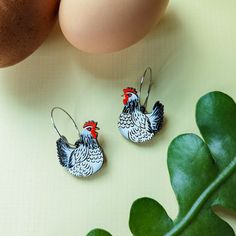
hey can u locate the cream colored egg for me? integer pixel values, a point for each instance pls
(108, 25)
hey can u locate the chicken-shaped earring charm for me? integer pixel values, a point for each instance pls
(85, 157)
(135, 123)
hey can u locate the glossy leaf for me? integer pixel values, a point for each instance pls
(148, 217)
(216, 119)
(202, 175)
(98, 232)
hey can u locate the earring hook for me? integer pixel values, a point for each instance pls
(54, 123)
(148, 69)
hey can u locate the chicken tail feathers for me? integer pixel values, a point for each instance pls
(64, 153)
(157, 116)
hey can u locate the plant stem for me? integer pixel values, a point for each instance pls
(196, 207)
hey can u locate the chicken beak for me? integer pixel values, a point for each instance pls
(97, 128)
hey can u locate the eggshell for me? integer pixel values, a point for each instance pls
(108, 25)
(24, 24)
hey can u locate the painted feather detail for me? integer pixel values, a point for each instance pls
(135, 124)
(64, 152)
(156, 117)
(86, 157)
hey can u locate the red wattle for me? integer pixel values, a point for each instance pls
(94, 134)
(125, 100)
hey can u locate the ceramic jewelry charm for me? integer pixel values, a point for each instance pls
(135, 124)
(85, 157)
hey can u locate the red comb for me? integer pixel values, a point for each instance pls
(130, 90)
(90, 123)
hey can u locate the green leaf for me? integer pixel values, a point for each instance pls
(196, 179)
(98, 232)
(148, 217)
(216, 119)
(202, 175)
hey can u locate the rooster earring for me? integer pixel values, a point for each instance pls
(85, 157)
(135, 124)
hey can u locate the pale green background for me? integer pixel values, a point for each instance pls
(195, 45)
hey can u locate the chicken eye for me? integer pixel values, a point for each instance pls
(89, 129)
(129, 95)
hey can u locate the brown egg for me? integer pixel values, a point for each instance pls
(100, 26)
(24, 25)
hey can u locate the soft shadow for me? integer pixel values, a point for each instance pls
(42, 75)
(155, 50)
(45, 75)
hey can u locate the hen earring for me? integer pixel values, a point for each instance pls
(85, 157)
(135, 124)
